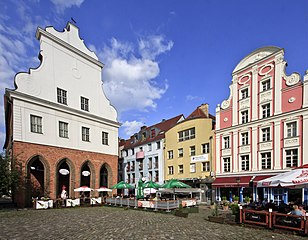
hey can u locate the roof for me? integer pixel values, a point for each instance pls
(162, 127)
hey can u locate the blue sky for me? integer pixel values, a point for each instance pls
(162, 58)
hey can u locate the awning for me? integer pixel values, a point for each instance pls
(232, 181)
(259, 178)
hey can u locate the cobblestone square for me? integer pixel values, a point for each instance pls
(118, 223)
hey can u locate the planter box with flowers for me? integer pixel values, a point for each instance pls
(43, 203)
(72, 202)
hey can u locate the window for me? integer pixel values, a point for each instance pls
(266, 160)
(266, 110)
(62, 96)
(245, 138)
(150, 163)
(226, 142)
(291, 129)
(85, 134)
(170, 154)
(227, 164)
(266, 85)
(104, 138)
(152, 133)
(206, 166)
(157, 145)
(205, 148)
(170, 170)
(186, 134)
(266, 134)
(156, 162)
(84, 103)
(244, 93)
(36, 124)
(181, 169)
(63, 129)
(192, 167)
(291, 157)
(133, 151)
(149, 147)
(192, 150)
(144, 135)
(181, 152)
(245, 162)
(245, 116)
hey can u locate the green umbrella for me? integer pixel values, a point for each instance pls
(174, 183)
(122, 185)
(151, 184)
(139, 190)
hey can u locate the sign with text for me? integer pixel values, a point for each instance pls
(199, 158)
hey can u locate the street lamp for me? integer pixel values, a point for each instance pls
(238, 180)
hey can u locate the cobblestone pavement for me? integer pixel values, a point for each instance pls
(118, 223)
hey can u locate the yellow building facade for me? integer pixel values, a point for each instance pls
(189, 149)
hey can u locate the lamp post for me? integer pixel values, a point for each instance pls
(238, 180)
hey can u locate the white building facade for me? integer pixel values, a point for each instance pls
(261, 129)
(58, 117)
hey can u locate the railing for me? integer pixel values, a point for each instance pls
(156, 205)
(270, 219)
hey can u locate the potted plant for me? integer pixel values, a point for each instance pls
(225, 205)
(215, 217)
(236, 199)
(247, 199)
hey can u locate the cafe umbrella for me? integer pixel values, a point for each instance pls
(122, 185)
(174, 183)
(149, 185)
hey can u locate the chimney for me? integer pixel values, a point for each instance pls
(205, 109)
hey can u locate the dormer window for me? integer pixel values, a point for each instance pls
(152, 133)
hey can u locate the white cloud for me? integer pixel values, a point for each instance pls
(61, 5)
(130, 73)
(130, 128)
(192, 98)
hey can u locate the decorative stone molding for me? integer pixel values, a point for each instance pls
(292, 79)
(291, 99)
(266, 96)
(226, 119)
(279, 58)
(245, 149)
(244, 79)
(245, 103)
(291, 142)
(266, 72)
(226, 103)
(226, 152)
(265, 146)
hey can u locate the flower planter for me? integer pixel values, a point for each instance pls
(180, 213)
(217, 219)
(43, 204)
(225, 207)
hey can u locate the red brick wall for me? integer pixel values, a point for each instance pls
(51, 156)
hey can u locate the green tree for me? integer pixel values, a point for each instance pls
(9, 175)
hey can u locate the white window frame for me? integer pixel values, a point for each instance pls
(266, 110)
(149, 147)
(245, 116)
(187, 134)
(244, 93)
(205, 166)
(170, 154)
(264, 85)
(105, 138)
(63, 129)
(192, 150)
(291, 130)
(192, 167)
(205, 148)
(181, 152)
(181, 169)
(292, 156)
(266, 160)
(36, 124)
(244, 138)
(84, 103)
(266, 134)
(226, 142)
(158, 145)
(61, 96)
(85, 134)
(226, 164)
(245, 164)
(170, 170)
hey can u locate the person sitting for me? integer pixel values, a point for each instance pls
(301, 208)
(296, 211)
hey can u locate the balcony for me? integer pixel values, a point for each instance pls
(140, 155)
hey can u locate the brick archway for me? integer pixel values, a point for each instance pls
(91, 168)
(71, 177)
(109, 174)
(38, 178)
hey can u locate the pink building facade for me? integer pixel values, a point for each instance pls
(262, 128)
